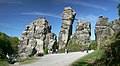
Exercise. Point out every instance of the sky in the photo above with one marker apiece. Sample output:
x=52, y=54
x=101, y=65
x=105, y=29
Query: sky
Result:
x=16, y=14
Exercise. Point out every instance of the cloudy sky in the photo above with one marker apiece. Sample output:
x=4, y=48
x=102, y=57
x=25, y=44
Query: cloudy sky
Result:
x=16, y=14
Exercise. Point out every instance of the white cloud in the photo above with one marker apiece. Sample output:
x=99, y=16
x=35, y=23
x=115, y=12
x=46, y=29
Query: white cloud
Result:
x=91, y=18
x=9, y=26
x=87, y=4
x=116, y=0
x=41, y=13
x=11, y=1
x=15, y=2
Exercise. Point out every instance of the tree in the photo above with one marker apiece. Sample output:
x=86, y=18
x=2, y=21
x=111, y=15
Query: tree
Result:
x=14, y=43
x=8, y=45
x=118, y=10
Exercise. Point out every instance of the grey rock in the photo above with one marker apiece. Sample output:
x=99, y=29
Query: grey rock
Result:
x=68, y=16
x=83, y=32
x=36, y=36
x=105, y=29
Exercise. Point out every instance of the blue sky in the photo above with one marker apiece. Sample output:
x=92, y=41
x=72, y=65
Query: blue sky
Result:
x=16, y=14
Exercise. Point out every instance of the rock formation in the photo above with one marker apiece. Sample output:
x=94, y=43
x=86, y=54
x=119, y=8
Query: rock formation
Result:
x=83, y=32
x=36, y=37
x=68, y=16
x=104, y=29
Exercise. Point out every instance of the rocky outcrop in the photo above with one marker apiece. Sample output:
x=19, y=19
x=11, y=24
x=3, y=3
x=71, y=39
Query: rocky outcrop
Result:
x=36, y=37
x=105, y=29
x=68, y=16
x=83, y=32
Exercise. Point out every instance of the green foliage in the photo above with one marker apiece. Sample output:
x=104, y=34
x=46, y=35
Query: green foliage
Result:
x=14, y=44
x=2, y=56
x=73, y=46
x=93, y=45
x=89, y=59
x=7, y=45
x=46, y=50
x=112, y=54
x=4, y=63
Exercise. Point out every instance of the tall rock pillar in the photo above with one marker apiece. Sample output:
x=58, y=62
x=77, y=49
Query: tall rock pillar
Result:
x=68, y=16
x=102, y=29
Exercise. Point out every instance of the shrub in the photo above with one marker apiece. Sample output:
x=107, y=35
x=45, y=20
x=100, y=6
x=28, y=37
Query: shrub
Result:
x=112, y=54
x=46, y=50
x=93, y=45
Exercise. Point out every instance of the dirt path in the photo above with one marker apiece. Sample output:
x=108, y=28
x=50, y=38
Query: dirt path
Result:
x=58, y=59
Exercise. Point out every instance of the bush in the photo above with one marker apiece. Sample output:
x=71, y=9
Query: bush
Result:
x=73, y=46
x=112, y=54
x=46, y=50
x=8, y=45
x=93, y=45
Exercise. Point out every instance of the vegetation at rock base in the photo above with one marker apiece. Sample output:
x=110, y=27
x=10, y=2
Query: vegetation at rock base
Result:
x=72, y=46
x=93, y=45
x=112, y=55
x=89, y=59
x=28, y=60
x=8, y=45
x=4, y=63
x=109, y=55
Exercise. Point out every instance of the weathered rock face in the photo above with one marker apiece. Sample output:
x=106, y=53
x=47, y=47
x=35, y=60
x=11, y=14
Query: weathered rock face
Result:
x=83, y=32
x=36, y=36
x=68, y=16
x=116, y=25
x=104, y=29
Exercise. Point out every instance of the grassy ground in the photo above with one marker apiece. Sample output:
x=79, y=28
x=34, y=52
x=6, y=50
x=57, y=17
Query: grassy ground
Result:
x=4, y=63
x=28, y=60
x=89, y=59
x=71, y=48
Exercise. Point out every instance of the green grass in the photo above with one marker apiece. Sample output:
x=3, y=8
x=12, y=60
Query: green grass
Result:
x=89, y=59
x=71, y=48
x=4, y=63
x=28, y=60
